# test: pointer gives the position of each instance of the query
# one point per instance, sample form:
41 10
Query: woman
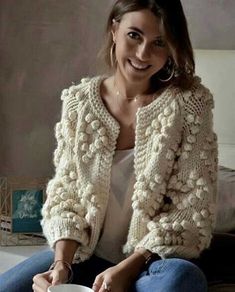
132 199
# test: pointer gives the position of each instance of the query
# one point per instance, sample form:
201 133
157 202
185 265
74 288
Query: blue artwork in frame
26 211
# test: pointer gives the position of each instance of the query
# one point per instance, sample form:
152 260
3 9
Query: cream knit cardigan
175 166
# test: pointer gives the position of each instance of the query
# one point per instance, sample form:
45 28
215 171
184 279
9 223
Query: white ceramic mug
69 288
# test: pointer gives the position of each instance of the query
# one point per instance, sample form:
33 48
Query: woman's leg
19 278
171 275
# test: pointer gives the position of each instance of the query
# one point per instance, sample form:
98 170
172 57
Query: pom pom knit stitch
175 167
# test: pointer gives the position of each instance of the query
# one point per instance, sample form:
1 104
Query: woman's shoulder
197 97
77 92
197 91
73 90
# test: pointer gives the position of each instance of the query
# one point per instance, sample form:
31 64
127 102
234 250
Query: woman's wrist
61 265
65 250
132 265
145 253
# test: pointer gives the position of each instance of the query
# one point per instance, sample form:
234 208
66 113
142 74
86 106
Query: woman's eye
159 43
134 35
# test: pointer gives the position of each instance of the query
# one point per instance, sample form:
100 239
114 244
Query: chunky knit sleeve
183 226
63 216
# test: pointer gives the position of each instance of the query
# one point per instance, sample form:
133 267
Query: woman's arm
63 215
65 250
183 226
64 253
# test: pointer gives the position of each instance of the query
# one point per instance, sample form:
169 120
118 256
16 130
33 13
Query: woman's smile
138 66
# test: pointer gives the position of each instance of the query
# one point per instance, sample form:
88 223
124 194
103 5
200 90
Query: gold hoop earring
112 51
169 69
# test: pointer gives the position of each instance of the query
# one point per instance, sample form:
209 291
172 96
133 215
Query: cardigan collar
101 111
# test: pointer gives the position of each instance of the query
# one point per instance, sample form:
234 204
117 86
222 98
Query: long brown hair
174 29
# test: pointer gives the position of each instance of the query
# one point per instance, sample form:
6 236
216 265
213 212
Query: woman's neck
127 89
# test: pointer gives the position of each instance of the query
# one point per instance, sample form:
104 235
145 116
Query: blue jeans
169 275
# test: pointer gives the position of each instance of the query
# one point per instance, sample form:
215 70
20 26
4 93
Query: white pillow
225 214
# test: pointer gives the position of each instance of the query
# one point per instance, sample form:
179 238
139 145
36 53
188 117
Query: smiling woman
132 201
137 52
168 30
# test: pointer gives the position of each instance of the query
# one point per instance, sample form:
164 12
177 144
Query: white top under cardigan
118 214
175 165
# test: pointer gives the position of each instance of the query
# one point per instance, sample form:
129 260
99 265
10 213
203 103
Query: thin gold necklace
135 98
118 94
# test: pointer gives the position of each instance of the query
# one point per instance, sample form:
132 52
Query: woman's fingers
38 289
41 282
101 284
57 278
97 283
105 287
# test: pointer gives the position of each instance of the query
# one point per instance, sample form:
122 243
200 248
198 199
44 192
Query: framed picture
26 210
21 201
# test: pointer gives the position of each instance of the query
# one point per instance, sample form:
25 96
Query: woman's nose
143 52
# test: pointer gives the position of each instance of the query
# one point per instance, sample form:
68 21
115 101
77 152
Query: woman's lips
137 66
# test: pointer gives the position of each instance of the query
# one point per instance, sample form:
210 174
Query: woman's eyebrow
141 32
136 29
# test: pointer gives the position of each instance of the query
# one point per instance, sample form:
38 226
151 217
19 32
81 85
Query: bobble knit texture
175 167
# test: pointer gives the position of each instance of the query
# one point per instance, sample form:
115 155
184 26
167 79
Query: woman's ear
114 29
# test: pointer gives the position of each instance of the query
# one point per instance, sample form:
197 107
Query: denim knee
180 275
19 278
171 275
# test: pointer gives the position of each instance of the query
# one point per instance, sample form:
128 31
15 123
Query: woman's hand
59 275
120 277
115 279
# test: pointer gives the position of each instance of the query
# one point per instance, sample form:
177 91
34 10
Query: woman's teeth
138 66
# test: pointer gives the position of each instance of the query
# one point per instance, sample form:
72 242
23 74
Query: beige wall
47 44
216 68
211 23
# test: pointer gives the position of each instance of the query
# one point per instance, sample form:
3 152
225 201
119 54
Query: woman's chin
134 75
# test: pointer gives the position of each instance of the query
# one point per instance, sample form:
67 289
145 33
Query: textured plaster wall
44 46
211 23
47 44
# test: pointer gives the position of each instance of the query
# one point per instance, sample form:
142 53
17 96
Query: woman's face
140 47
